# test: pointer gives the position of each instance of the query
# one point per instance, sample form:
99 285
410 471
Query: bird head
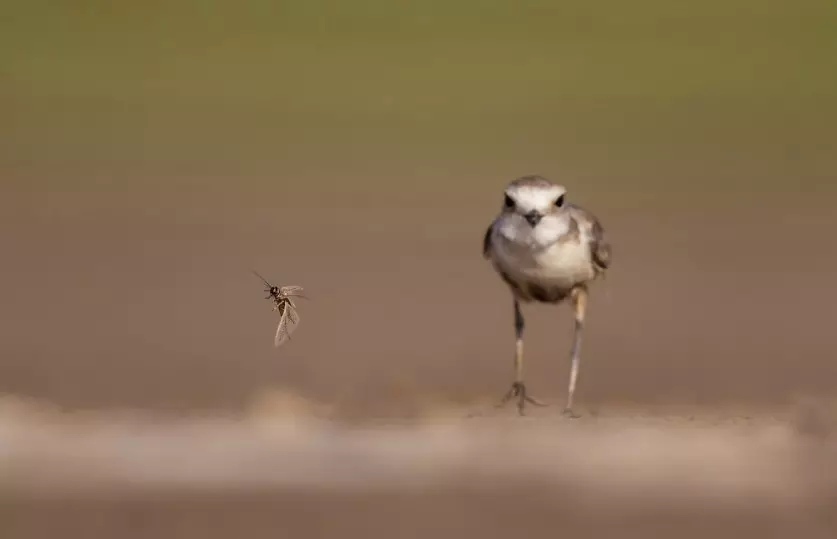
533 198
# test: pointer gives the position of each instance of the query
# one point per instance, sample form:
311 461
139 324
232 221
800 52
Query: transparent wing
288 322
291 290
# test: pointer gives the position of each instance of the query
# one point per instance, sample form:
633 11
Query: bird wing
486 241
600 247
600 250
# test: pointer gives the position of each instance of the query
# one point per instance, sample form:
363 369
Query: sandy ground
287 468
620 456
145 399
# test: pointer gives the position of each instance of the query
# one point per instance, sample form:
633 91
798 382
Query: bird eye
559 201
508 202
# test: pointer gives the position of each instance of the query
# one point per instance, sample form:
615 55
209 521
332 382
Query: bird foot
569 414
518 389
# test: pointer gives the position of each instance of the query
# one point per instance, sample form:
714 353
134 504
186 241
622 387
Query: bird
547 250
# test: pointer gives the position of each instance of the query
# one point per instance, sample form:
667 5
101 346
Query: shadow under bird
282 302
547 250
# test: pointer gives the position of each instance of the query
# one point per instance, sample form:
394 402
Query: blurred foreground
286 468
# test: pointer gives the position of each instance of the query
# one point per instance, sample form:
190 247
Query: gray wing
600 250
486 241
600 247
292 290
288 322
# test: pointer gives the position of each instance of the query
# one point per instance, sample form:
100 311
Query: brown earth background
151 154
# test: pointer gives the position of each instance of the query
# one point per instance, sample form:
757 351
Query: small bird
282 302
547 250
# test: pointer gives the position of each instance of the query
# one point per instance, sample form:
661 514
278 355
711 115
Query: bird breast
564 262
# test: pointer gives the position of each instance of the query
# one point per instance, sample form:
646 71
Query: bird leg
518 388
579 299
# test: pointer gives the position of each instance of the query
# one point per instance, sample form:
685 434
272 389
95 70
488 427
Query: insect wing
291 290
288 322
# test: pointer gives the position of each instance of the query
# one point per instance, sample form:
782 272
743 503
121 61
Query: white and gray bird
546 250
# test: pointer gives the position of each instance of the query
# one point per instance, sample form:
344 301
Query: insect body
282 302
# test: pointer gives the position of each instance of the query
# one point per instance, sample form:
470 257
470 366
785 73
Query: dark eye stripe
509 203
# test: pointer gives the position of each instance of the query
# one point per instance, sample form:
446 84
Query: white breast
559 264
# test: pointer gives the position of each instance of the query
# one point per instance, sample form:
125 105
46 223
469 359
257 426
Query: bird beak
533 218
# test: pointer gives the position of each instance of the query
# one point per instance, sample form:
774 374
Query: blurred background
152 153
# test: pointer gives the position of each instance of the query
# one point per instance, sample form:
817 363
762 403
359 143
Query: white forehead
535 197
